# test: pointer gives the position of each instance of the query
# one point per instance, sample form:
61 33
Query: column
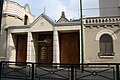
30 49
56 53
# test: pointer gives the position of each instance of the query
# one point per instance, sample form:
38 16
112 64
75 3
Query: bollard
117 72
32 71
72 72
0 70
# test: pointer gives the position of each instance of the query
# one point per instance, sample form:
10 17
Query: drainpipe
6 44
1 9
82 40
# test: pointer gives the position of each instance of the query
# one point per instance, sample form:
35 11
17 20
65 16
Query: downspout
6 43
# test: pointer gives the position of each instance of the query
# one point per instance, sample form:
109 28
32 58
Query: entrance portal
45 47
69 48
21 49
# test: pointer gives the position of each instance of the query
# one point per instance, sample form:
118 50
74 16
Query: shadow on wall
11 51
35 43
12 48
3 42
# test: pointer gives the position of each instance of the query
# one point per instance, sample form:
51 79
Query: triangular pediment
62 19
42 23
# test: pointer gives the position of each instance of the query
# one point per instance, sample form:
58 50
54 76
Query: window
106 45
25 20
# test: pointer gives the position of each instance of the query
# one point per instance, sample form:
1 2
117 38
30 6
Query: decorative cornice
101 20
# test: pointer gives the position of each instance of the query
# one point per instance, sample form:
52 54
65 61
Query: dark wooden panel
21 49
45 48
74 48
64 48
69 48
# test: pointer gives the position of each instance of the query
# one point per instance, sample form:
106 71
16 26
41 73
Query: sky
53 8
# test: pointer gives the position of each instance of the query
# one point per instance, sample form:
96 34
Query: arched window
106 45
25 20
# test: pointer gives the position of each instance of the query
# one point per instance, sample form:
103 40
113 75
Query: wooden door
69 48
21 49
45 48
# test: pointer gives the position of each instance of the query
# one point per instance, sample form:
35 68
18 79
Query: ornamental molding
106 31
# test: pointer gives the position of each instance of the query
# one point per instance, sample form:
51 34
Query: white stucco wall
13 15
17 11
92 46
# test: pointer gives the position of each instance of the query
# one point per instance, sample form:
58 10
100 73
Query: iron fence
44 71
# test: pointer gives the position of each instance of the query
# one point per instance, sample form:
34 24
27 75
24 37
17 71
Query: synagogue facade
25 39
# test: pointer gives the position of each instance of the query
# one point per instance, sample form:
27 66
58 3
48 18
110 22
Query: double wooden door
21 49
69 48
45 48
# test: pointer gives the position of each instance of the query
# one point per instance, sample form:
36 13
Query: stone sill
106 57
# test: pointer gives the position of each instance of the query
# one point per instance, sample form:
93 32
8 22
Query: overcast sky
53 8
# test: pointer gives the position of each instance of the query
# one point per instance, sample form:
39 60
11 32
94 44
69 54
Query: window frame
106 40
